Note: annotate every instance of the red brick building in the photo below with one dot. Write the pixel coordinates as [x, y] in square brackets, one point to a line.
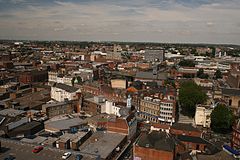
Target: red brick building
[155, 146]
[189, 135]
[193, 143]
[236, 135]
[33, 76]
[185, 129]
[125, 125]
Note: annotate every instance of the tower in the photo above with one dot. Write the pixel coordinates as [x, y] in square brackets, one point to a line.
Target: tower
[129, 101]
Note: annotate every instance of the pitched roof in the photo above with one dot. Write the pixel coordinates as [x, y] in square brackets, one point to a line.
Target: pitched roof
[185, 127]
[231, 91]
[157, 140]
[191, 139]
[65, 87]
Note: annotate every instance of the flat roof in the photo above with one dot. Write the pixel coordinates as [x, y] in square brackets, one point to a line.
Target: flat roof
[11, 112]
[36, 140]
[65, 123]
[54, 104]
[74, 137]
[23, 150]
[102, 143]
[27, 126]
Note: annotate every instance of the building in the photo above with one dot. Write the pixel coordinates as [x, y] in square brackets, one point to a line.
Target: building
[233, 78]
[93, 105]
[26, 129]
[203, 116]
[58, 108]
[190, 136]
[158, 110]
[154, 55]
[126, 124]
[156, 145]
[146, 76]
[232, 96]
[236, 135]
[119, 83]
[112, 108]
[106, 145]
[33, 76]
[61, 92]
[72, 141]
[185, 129]
[193, 143]
[65, 125]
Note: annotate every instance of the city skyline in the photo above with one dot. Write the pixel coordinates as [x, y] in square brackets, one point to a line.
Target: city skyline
[173, 21]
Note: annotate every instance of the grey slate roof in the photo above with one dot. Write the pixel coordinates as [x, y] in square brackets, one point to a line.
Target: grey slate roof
[65, 87]
[11, 112]
[191, 139]
[185, 127]
[65, 123]
[231, 91]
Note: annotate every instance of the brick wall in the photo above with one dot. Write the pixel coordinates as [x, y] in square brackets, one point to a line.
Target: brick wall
[151, 154]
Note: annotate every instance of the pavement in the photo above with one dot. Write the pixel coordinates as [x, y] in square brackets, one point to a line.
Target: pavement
[22, 151]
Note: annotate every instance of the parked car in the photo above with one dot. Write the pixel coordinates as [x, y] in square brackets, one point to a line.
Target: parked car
[37, 149]
[78, 157]
[66, 155]
[10, 157]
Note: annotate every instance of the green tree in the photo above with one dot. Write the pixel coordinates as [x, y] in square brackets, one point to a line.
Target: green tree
[190, 94]
[187, 63]
[221, 119]
[218, 74]
[73, 79]
[201, 74]
[79, 79]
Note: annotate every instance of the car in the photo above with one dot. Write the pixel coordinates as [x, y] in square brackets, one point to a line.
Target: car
[10, 157]
[66, 155]
[37, 149]
[79, 157]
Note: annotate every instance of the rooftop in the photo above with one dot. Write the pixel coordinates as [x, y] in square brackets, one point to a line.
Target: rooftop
[231, 91]
[65, 123]
[65, 87]
[102, 143]
[73, 137]
[192, 139]
[157, 140]
[11, 112]
[222, 155]
[185, 127]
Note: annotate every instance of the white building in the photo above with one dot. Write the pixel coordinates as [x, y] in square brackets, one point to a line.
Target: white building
[61, 92]
[203, 116]
[111, 108]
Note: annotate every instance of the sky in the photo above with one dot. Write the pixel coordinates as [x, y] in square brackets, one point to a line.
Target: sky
[167, 21]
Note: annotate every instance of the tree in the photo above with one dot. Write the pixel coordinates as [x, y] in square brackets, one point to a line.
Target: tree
[201, 74]
[218, 74]
[187, 63]
[79, 80]
[73, 79]
[190, 94]
[221, 119]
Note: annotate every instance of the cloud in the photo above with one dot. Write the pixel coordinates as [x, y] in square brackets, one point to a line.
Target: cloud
[17, 1]
[136, 20]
